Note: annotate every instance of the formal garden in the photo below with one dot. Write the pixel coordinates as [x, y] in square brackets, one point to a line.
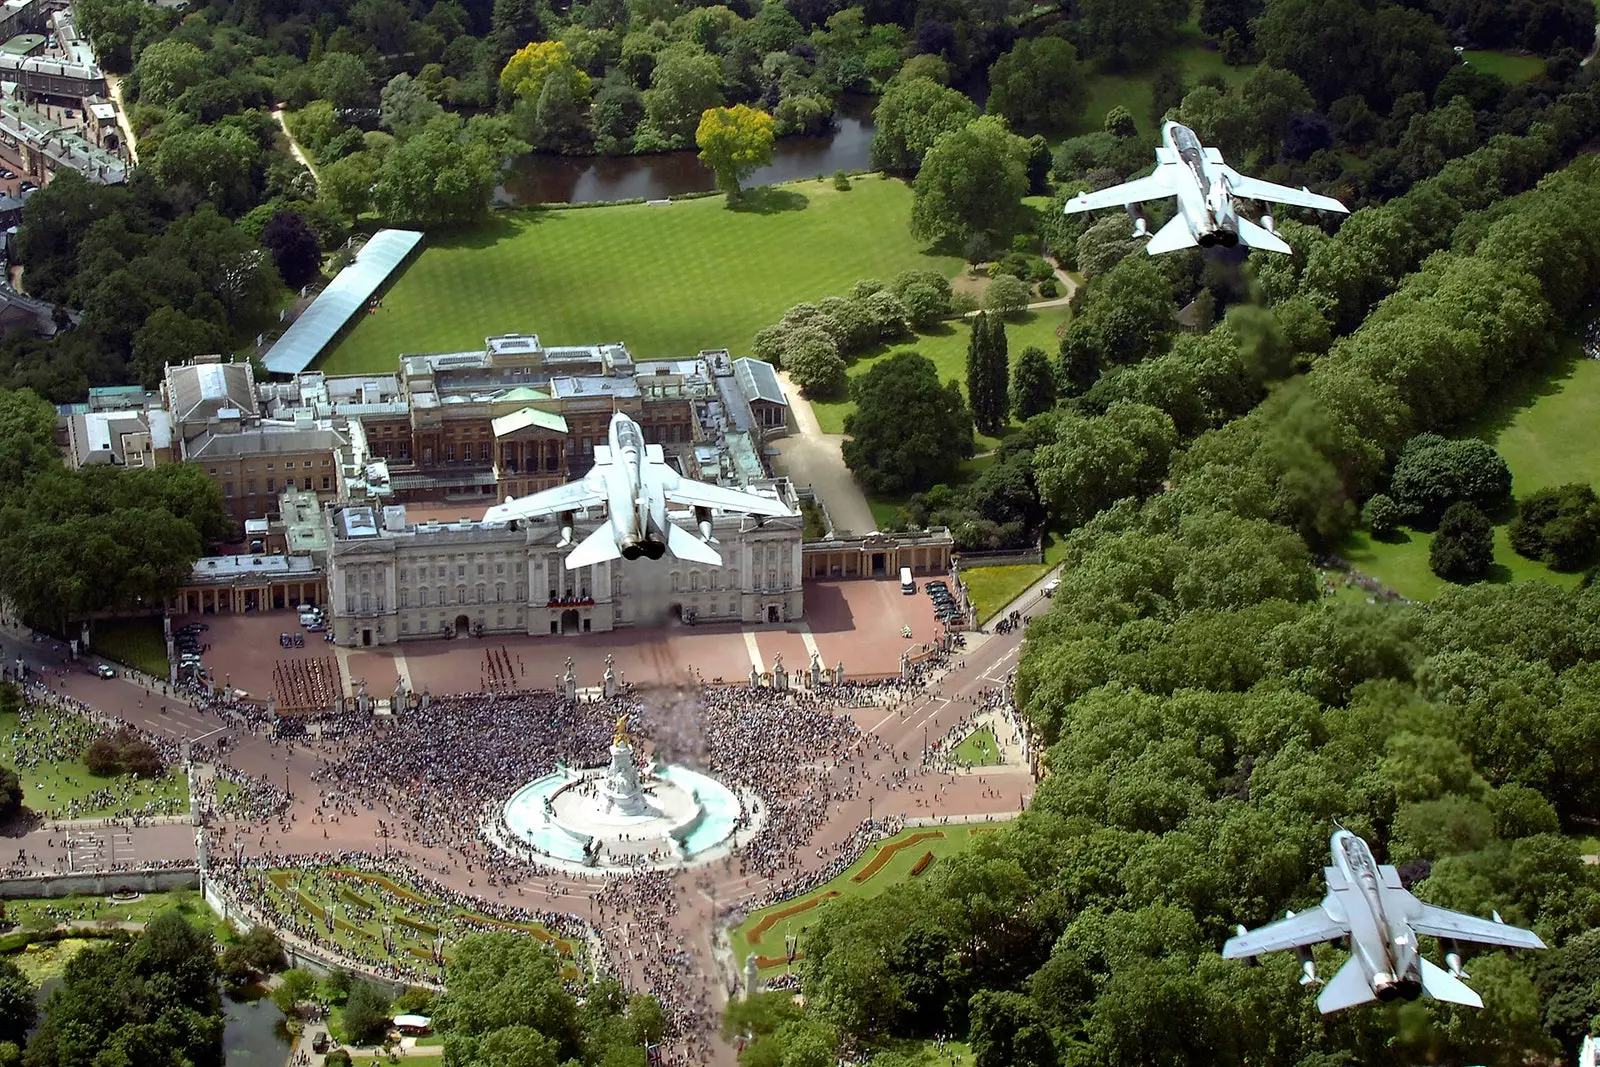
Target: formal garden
[908, 854]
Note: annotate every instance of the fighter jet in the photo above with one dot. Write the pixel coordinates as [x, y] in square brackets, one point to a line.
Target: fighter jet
[634, 482]
[1207, 189]
[1367, 904]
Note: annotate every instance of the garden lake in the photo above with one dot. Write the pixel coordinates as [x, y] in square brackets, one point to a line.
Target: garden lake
[254, 1035]
[541, 178]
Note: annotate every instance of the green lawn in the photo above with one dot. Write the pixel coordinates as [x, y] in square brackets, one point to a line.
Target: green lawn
[667, 281]
[992, 588]
[980, 749]
[946, 346]
[42, 914]
[47, 754]
[1132, 89]
[136, 643]
[769, 941]
[1513, 69]
[1547, 427]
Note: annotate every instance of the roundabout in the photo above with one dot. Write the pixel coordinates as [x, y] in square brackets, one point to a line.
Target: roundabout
[622, 816]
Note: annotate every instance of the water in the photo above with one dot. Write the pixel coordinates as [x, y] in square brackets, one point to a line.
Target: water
[525, 817]
[253, 1034]
[547, 179]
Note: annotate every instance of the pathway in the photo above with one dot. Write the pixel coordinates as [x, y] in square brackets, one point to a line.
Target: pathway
[114, 84]
[810, 457]
[294, 146]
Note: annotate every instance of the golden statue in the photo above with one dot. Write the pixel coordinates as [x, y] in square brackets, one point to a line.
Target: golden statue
[621, 735]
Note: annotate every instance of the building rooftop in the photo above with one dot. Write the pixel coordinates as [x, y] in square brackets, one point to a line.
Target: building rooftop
[203, 389]
[22, 44]
[228, 568]
[759, 381]
[521, 420]
[344, 297]
[267, 439]
[61, 145]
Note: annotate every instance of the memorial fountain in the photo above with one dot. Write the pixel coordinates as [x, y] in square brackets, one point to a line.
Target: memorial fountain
[622, 815]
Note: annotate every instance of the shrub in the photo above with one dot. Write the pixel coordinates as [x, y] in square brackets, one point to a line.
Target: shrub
[102, 758]
[1463, 548]
[841, 181]
[813, 362]
[924, 304]
[1382, 516]
[963, 303]
[1049, 289]
[1434, 473]
[1560, 526]
[366, 1014]
[1006, 295]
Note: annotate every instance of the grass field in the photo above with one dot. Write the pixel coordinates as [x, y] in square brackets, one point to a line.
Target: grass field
[667, 281]
[1513, 69]
[980, 749]
[136, 643]
[992, 588]
[946, 346]
[364, 902]
[763, 932]
[42, 914]
[1547, 427]
[55, 782]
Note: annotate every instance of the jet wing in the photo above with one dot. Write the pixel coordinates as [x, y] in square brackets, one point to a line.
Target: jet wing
[586, 492]
[1310, 927]
[1442, 922]
[1151, 187]
[1256, 189]
[681, 490]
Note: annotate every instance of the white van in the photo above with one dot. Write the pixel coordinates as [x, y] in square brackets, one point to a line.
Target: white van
[907, 585]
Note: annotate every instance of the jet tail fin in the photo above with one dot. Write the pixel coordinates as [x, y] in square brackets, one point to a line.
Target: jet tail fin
[1347, 989]
[1257, 236]
[1439, 984]
[684, 545]
[1171, 237]
[596, 548]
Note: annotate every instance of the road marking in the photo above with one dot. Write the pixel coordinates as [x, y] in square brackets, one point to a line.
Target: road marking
[341, 655]
[811, 642]
[402, 668]
[754, 651]
[886, 718]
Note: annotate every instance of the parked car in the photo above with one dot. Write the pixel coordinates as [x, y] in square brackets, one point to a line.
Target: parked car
[299, 640]
[105, 670]
[283, 640]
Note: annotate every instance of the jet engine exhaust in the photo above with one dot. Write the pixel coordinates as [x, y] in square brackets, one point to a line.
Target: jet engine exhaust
[632, 551]
[1228, 239]
[653, 549]
[1208, 240]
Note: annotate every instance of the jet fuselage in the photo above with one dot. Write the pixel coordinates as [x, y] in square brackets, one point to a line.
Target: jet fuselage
[1385, 946]
[1204, 199]
[634, 513]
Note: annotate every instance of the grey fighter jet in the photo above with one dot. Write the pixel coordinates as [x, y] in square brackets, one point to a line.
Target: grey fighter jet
[635, 484]
[1367, 904]
[1207, 190]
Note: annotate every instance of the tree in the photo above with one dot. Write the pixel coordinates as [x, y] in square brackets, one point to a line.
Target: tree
[170, 337]
[366, 1014]
[685, 84]
[1560, 526]
[971, 183]
[10, 803]
[510, 22]
[1038, 85]
[908, 431]
[1033, 384]
[558, 120]
[1006, 295]
[342, 80]
[812, 360]
[295, 986]
[1463, 547]
[1127, 33]
[404, 106]
[440, 177]
[294, 248]
[346, 184]
[734, 141]
[1382, 516]
[1126, 315]
[1008, 1032]
[525, 73]
[1094, 462]
[1434, 472]
[910, 116]
[985, 388]
[215, 163]
[167, 69]
[18, 1009]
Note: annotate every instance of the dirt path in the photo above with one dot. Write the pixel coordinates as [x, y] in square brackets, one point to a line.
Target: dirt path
[294, 146]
